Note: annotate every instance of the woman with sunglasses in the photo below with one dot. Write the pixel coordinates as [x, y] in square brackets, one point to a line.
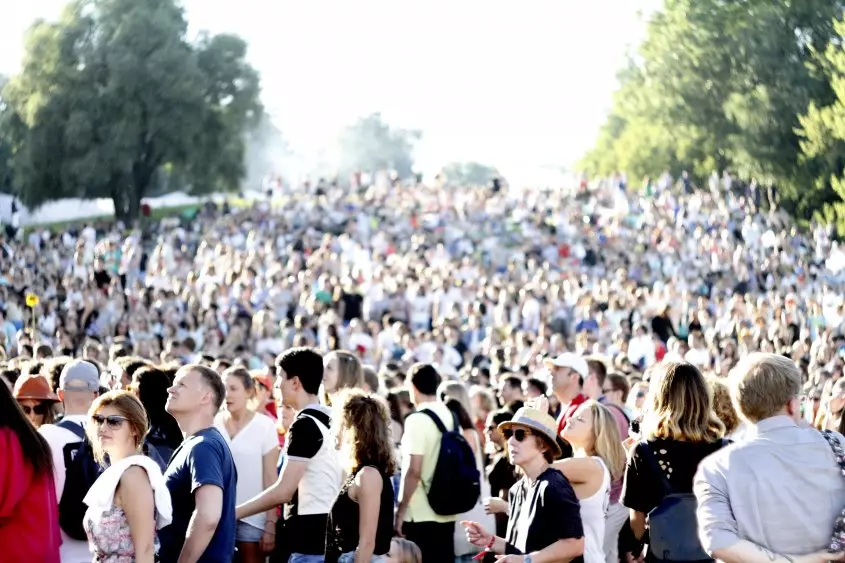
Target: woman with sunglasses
[129, 501]
[29, 515]
[545, 519]
[36, 399]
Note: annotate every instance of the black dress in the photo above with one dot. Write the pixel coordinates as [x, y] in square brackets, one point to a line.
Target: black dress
[342, 529]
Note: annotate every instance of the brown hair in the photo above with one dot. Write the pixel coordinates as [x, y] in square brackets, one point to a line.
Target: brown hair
[350, 374]
[723, 404]
[365, 420]
[681, 406]
[129, 407]
[408, 551]
[763, 384]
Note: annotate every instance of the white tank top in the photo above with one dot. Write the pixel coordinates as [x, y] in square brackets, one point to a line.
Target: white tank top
[593, 511]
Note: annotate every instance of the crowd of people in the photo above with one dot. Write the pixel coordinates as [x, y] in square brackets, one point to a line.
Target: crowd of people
[414, 373]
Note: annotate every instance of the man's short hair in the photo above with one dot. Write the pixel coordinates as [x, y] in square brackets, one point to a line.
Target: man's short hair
[213, 380]
[304, 363]
[763, 384]
[425, 379]
[599, 368]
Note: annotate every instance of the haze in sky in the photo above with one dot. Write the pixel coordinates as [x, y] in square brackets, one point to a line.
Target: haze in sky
[512, 84]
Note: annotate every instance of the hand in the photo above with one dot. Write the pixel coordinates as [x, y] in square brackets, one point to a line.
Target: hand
[629, 558]
[268, 542]
[476, 534]
[495, 505]
[820, 557]
[540, 403]
[510, 559]
[398, 521]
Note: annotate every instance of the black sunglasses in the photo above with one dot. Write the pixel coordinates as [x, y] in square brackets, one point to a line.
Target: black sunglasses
[519, 434]
[113, 421]
[37, 409]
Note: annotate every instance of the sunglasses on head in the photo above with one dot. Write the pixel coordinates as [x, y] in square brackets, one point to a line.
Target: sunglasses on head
[113, 421]
[40, 410]
[519, 434]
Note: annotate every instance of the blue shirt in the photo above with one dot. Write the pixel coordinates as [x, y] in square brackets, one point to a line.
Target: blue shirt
[202, 459]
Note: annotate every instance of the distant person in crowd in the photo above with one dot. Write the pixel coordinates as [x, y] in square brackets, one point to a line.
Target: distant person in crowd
[567, 373]
[500, 472]
[150, 385]
[201, 475]
[361, 520]
[415, 519]
[253, 441]
[341, 370]
[36, 399]
[778, 495]
[311, 475]
[29, 517]
[545, 519]
[129, 501]
[616, 390]
[403, 551]
[79, 386]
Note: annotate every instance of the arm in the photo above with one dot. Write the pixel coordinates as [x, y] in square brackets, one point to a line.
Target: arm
[281, 492]
[203, 523]
[746, 552]
[269, 476]
[578, 470]
[410, 480]
[369, 484]
[638, 520]
[560, 551]
[135, 495]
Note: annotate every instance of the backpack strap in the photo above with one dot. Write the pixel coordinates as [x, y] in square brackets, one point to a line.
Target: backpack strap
[648, 456]
[74, 427]
[436, 419]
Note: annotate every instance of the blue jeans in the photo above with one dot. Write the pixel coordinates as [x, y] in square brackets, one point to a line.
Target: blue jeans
[304, 558]
[350, 558]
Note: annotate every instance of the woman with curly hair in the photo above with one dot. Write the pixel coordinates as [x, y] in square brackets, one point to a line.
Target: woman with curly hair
[360, 524]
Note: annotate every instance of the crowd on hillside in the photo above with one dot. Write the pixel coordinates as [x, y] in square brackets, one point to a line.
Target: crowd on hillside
[608, 373]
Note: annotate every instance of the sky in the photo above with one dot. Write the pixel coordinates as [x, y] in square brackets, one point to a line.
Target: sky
[511, 84]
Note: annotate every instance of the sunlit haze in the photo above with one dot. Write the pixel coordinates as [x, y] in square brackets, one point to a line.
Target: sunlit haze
[513, 84]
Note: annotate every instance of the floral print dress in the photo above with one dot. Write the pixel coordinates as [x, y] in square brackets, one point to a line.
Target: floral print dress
[109, 536]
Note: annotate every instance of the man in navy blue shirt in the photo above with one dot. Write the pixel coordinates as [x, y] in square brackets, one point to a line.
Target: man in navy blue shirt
[201, 475]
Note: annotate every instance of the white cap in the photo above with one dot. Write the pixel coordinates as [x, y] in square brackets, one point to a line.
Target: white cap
[571, 361]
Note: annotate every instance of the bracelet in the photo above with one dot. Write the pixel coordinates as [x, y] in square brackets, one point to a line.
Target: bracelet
[487, 548]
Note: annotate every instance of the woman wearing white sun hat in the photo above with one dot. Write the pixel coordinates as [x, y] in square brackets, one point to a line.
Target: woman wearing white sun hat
[545, 520]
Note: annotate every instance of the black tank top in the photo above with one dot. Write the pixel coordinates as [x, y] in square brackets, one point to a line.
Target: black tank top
[342, 529]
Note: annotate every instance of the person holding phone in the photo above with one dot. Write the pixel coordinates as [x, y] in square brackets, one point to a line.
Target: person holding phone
[545, 519]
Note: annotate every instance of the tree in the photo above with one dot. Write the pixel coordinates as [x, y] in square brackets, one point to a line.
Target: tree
[370, 144]
[469, 173]
[113, 93]
[5, 146]
[719, 85]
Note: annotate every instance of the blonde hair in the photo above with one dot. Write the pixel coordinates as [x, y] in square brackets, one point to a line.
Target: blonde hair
[681, 406]
[408, 551]
[607, 444]
[488, 401]
[763, 384]
[129, 407]
[723, 404]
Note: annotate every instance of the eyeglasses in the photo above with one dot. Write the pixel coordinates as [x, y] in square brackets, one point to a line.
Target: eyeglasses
[40, 410]
[519, 434]
[607, 390]
[113, 421]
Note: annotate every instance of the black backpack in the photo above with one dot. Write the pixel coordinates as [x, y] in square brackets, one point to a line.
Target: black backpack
[456, 483]
[81, 470]
[672, 524]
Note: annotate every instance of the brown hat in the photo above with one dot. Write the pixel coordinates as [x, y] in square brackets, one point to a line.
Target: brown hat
[34, 387]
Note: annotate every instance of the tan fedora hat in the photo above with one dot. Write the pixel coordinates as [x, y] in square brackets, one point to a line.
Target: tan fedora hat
[538, 422]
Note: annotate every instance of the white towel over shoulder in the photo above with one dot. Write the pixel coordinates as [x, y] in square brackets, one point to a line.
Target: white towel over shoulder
[101, 493]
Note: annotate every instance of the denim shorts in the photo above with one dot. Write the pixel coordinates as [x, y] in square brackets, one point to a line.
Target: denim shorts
[304, 558]
[248, 533]
[350, 558]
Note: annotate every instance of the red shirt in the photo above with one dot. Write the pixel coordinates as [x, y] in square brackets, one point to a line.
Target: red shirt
[29, 511]
[567, 411]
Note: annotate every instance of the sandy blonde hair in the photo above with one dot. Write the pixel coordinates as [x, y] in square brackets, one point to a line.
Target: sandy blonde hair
[681, 406]
[408, 551]
[763, 384]
[723, 404]
[350, 373]
[607, 444]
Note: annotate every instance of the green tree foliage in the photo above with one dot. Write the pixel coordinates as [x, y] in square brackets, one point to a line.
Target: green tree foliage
[469, 173]
[5, 143]
[112, 94]
[721, 85]
[371, 144]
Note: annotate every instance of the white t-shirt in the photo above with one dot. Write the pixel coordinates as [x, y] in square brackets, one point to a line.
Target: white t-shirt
[249, 446]
[71, 551]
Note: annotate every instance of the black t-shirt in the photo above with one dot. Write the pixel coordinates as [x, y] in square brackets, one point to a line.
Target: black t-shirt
[501, 475]
[642, 490]
[352, 306]
[306, 533]
[555, 513]
[102, 278]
